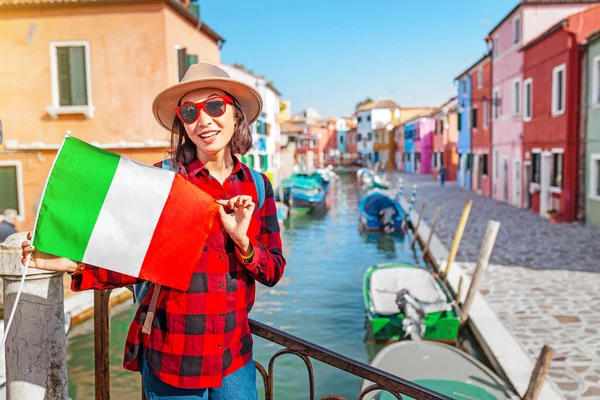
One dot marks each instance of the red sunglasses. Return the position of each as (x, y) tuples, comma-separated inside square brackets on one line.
[(213, 106)]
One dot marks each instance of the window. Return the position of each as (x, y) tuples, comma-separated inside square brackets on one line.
[(459, 121), (557, 169), (359, 137), (528, 99), (370, 136), (594, 176), (464, 86), (474, 118), (486, 115), (71, 79), (480, 78), (536, 160), (596, 81), (341, 139), (496, 169), (11, 195), (495, 46), (495, 106), (517, 29), (469, 161), (313, 143), (558, 90), (516, 97), (359, 119), (376, 136), (441, 158), (368, 118)]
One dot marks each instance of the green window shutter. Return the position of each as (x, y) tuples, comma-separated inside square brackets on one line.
[(77, 76), (9, 197), (459, 121), (250, 160), (64, 81), (264, 161), (182, 62), (192, 59)]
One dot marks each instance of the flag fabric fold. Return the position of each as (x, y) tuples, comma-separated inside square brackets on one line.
[(112, 212)]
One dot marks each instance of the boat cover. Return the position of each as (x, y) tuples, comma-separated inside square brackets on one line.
[(385, 283), (375, 202)]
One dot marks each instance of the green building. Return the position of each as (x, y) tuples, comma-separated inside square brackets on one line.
[(592, 139)]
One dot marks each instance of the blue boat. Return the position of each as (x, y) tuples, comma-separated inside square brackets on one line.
[(379, 211)]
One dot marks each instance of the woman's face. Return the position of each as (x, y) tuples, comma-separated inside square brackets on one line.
[(211, 135)]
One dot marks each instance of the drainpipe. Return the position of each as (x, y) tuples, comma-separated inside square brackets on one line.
[(35, 351), (581, 197)]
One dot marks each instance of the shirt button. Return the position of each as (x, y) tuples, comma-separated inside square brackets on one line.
[(221, 256), (220, 345), (221, 315), (223, 229), (222, 285)]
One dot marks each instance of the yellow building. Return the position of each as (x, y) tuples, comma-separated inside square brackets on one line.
[(91, 67)]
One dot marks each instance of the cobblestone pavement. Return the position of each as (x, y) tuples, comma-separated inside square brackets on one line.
[(536, 283)]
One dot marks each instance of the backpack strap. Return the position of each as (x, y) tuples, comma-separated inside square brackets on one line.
[(259, 182)]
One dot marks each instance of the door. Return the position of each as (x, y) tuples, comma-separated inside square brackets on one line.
[(526, 183), (545, 180), (476, 172), (505, 177), (462, 167), (517, 183)]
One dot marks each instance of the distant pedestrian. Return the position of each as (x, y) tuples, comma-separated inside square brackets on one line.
[(7, 223), (442, 175)]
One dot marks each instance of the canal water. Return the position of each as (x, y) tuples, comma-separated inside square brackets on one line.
[(319, 299)]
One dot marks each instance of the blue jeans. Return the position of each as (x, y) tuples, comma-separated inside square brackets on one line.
[(239, 385)]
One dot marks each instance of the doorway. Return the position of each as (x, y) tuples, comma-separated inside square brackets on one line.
[(517, 183), (545, 179), (462, 167), (476, 172), (505, 178), (526, 183)]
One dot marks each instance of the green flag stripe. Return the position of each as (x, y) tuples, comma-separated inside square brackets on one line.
[(74, 195)]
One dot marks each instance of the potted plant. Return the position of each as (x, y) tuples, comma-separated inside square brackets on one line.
[(553, 214)]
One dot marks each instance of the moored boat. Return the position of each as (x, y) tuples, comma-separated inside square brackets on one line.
[(439, 367), (306, 193), (404, 300), (379, 211)]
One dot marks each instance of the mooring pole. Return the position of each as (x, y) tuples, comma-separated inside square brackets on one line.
[(458, 236)]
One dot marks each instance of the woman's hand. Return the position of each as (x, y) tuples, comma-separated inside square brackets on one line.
[(236, 224), (45, 261)]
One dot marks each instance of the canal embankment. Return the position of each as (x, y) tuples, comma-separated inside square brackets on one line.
[(521, 307)]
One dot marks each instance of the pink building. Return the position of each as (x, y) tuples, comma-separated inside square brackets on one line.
[(522, 24), (424, 130)]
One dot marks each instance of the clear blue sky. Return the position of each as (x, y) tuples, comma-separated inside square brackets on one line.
[(331, 54)]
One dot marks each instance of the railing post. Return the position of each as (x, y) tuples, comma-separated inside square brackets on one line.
[(101, 344), (36, 348)]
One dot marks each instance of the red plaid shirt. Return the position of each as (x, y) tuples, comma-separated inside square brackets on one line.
[(202, 335)]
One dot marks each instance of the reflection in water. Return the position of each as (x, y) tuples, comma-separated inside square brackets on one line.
[(319, 299)]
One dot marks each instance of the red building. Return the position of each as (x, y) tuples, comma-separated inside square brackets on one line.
[(481, 140), (328, 146), (351, 147), (551, 99)]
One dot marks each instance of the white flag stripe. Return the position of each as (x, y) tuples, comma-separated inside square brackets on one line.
[(128, 218)]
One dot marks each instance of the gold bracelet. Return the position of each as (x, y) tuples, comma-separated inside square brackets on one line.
[(248, 258)]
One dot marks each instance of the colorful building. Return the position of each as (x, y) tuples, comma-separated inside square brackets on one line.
[(445, 138), (425, 128), (591, 119), (464, 130), (384, 146), (70, 69), (351, 150), (481, 100), (371, 116), (409, 155), (399, 140), (522, 24), (551, 115)]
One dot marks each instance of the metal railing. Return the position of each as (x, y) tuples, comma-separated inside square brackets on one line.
[(305, 350)]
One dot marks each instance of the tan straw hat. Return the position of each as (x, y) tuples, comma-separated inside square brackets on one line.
[(200, 76)]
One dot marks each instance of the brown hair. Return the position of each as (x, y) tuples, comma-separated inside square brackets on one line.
[(183, 151)]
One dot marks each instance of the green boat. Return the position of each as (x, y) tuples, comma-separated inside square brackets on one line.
[(404, 300), (441, 368), (306, 192)]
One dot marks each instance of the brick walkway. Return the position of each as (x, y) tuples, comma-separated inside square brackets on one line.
[(543, 281)]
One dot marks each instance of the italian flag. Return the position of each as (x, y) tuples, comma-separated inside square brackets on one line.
[(112, 212)]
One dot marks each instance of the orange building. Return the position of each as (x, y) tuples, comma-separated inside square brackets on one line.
[(445, 139), (93, 68)]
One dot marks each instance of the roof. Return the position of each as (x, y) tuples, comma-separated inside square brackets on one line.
[(383, 103), (553, 29), (538, 3), (593, 36), (476, 63), (176, 4)]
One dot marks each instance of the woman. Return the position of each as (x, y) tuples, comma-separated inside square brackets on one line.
[(197, 344)]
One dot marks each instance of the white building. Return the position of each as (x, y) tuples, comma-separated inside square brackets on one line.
[(370, 117), (266, 131)]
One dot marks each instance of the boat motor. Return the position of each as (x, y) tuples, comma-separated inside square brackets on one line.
[(386, 219), (413, 314)]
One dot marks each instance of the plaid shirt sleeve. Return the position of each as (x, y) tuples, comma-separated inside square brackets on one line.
[(99, 278), (268, 263)]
